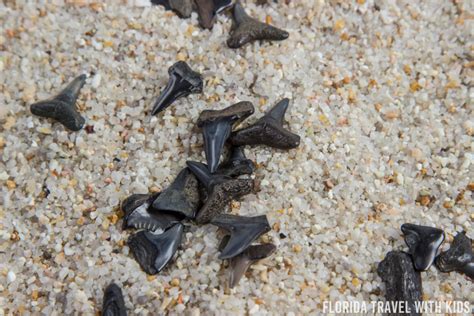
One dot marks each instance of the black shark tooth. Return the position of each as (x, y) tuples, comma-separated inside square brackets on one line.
[(181, 197), (459, 257), (153, 251), (183, 8), (402, 282), (237, 164), (139, 214), (239, 264), (268, 130), (113, 303), (62, 107), (246, 29), (243, 231), (183, 81), (216, 127), (220, 190), (423, 243), (208, 9)]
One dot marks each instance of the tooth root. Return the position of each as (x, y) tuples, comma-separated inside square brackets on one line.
[(243, 231), (246, 29), (182, 82), (62, 107), (154, 251)]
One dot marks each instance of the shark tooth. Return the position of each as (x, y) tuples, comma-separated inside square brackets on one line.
[(459, 257), (243, 231), (239, 264), (139, 214), (183, 81), (153, 251), (268, 130), (216, 127), (113, 303), (237, 164), (402, 281), (208, 9), (423, 243), (183, 8), (181, 197), (246, 29), (62, 107), (220, 191)]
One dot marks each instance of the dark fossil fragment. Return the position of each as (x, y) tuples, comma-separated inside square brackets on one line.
[(239, 264), (208, 9), (216, 127), (183, 8), (246, 29), (459, 257), (268, 130), (183, 81), (243, 231), (62, 107), (181, 197), (402, 282), (237, 164), (113, 303), (220, 191), (153, 251), (139, 214), (423, 243)]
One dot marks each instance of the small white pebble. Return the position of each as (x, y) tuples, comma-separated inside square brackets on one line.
[(11, 276)]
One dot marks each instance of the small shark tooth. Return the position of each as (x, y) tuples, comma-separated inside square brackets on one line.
[(243, 231), (208, 9), (423, 243), (139, 214), (459, 257), (246, 29), (268, 130), (153, 251), (237, 164), (402, 281), (239, 264), (220, 190), (62, 107), (183, 81), (183, 8), (216, 127), (181, 197), (113, 303)]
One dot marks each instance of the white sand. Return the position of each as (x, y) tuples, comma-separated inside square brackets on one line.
[(381, 100)]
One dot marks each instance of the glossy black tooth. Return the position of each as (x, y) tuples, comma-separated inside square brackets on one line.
[(216, 127), (240, 264), (113, 303), (459, 257), (62, 107), (402, 282), (221, 190), (246, 29), (237, 164), (153, 251), (183, 81), (182, 7), (139, 214), (423, 242), (268, 130), (181, 197), (243, 231)]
